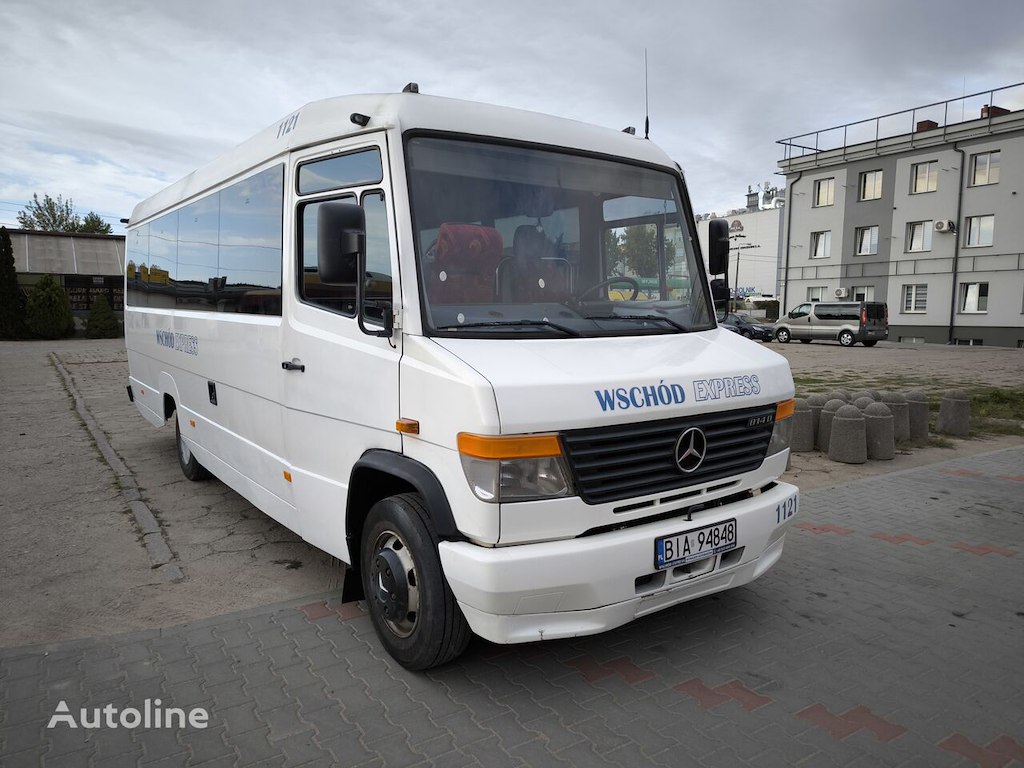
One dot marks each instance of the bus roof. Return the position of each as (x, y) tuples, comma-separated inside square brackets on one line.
[(329, 119)]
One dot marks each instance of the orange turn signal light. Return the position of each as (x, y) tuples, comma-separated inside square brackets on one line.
[(408, 426), (785, 409), (509, 447)]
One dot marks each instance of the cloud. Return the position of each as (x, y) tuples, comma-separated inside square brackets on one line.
[(110, 100)]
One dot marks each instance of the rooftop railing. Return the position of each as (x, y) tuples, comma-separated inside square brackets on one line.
[(984, 105)]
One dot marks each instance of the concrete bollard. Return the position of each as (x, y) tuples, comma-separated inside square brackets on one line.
[(863, 402), (900, 414), (875, 394), (802, 440), (816, 403), (855, 396), (828, 411), (880, 439), (839, 394), (917, 407), (847, 443), (954, 414)]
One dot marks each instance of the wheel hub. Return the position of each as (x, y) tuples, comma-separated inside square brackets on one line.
[(391, 589), (394, 586)]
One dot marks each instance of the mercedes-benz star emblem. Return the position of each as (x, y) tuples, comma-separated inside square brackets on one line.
[(691, 448)]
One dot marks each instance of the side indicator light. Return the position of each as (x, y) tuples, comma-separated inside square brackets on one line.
[(785, 409), (408, 426)]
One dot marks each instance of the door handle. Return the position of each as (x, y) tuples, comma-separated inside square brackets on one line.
[(290, 366)]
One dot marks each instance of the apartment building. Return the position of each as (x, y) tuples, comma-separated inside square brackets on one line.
[(921, 209)]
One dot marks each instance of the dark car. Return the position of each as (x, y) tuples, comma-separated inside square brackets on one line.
[(745, 325)]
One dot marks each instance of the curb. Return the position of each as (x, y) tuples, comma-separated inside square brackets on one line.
[(154, 539)]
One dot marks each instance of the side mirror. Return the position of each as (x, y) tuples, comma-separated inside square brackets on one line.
[(791, 314), (341, 242), (341, 258), (718, 246), (720, 295)]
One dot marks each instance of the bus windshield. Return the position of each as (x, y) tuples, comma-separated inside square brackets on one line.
[(523, 242)]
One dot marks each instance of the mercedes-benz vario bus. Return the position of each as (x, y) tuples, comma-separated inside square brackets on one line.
[(472, 352)]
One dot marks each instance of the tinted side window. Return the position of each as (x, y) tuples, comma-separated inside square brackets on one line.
[(222, 252), (355, 168)]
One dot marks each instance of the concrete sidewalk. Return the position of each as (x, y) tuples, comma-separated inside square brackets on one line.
[(889, 634)]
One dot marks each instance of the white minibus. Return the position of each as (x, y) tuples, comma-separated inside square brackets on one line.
[(472, 352)]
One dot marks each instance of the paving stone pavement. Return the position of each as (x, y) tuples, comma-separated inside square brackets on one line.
[(889, 634)]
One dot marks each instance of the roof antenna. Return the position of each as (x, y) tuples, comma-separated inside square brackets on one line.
[(647, 104)]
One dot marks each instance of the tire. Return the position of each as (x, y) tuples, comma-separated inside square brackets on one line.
[(190, 467), (746, 334), (846, 339), (805, 341), (413, 610), (782, 336), (869, 343)]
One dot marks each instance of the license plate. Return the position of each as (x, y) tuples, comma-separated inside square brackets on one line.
[(688, 546)]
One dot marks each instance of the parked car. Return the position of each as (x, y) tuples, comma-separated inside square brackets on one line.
[(748, 326), (844, 321)]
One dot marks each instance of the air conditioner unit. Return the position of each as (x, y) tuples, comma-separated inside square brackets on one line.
[(842, 293), (945, 225)]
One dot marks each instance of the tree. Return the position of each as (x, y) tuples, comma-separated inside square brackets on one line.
[(93, 223), (12, 301), (59, 215), (49, 312), (638, 246), (102, 322)]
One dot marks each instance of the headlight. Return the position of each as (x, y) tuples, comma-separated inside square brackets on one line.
[(783, 429), (514, 468)]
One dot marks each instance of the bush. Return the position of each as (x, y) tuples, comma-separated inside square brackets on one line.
[(48, 313), (12, 301), (102, 322)]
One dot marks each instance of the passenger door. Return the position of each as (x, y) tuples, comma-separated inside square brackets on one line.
[(800, 321), (341, 389)]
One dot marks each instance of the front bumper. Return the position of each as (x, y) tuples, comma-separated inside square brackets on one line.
[(588, 585)]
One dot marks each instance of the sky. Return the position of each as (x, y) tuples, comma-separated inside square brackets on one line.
[(107, 101)]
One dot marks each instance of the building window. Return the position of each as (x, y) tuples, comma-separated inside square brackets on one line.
[(985, 168), (867, 240), (912, 339), (817, 292), (969, 342), (824, 192), (919, 236), (871, 185), (863, 293), (973, 297), (979, 230), (924, 177), (821, 244), (915, 298)]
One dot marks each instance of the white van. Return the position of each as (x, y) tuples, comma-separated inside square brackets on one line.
[(472, 352)]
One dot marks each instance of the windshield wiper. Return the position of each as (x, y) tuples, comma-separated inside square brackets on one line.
[(512, 324), (678, 326)]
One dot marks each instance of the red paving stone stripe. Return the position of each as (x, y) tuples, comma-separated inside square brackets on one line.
[(593, 670), (1017, 479), (316, 611), (963, 473), (883, 729), (709, 698), (824, 528), (983, 549), (628, 671), (999, 753), (353, 610), (900, 539), (852, 721), (589, 668)]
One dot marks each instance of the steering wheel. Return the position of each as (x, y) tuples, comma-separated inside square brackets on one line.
[(612, 281)]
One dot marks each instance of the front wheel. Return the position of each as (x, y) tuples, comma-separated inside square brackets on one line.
[(869, 343), (191, 468), (846, 339), (782, 336), (412, 607), (805, 341), (746, 334)]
